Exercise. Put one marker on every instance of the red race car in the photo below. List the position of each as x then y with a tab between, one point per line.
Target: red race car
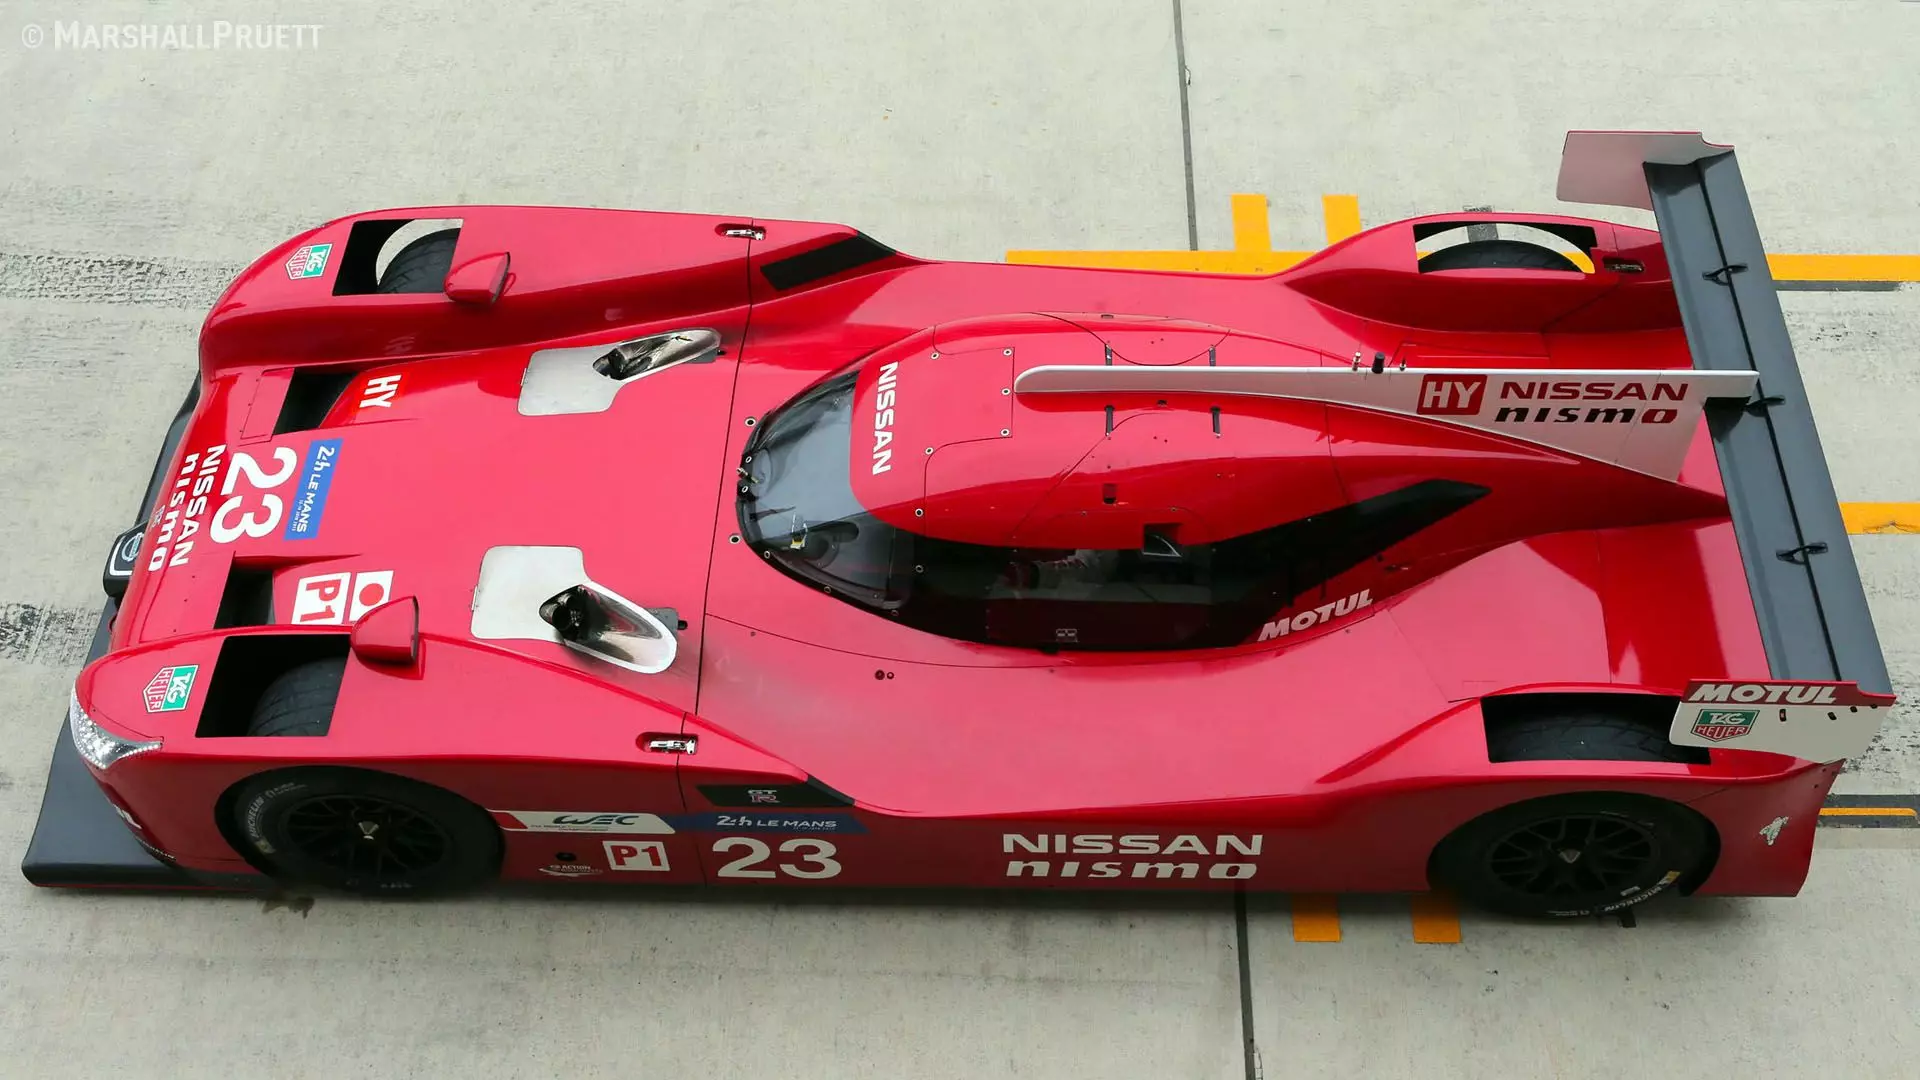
532	543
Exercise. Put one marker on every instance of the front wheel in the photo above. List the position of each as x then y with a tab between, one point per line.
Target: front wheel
365	832
1570	855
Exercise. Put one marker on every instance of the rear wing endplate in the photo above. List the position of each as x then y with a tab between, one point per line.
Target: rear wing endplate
1806	587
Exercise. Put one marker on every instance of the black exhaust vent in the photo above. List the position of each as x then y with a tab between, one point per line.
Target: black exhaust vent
247	600
310	397
824	262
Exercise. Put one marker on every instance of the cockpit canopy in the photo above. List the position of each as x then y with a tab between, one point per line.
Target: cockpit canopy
913	486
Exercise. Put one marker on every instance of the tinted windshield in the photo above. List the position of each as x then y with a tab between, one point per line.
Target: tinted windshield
797	508
797	505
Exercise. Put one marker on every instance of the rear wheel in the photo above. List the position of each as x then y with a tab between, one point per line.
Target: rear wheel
1484	254
1578	854
1570	855
300	701
421	266
365	832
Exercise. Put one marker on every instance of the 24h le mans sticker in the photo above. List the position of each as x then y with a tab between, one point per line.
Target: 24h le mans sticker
309	261
1720	725
170	688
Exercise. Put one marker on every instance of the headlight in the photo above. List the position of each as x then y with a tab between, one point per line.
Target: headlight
99	746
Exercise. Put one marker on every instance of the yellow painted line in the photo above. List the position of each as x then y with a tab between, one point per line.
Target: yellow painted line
1868	811
1844	267
1316	917
1342	215
1436	919
1864	517
1253	253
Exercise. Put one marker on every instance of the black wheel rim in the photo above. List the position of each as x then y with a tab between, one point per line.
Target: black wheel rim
364	836
1574	855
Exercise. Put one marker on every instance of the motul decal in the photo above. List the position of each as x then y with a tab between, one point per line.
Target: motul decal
886	392
1307	620
1784	693
1816	721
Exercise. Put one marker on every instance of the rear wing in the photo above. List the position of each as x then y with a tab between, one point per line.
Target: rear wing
1806	588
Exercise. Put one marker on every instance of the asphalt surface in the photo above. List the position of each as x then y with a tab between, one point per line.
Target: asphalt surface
135	182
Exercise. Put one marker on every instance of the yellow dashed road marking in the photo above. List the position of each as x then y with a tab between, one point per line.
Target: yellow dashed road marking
1436	919
1316	917
1342	214
1867	517
1253	252
1868	811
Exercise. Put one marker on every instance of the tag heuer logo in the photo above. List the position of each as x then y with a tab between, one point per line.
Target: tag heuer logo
1719	725
170	688
309	261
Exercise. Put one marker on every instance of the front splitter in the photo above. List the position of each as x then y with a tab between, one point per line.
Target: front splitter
80	840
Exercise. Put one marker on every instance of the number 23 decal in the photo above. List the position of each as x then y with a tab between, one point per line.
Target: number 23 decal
815	858
285	461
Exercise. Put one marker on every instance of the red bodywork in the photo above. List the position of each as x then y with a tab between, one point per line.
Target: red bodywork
1332	755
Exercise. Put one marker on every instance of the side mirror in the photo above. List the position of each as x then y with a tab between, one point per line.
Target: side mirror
588	618
478	281
389	634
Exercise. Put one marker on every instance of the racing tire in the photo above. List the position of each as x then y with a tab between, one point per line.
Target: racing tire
1590	736
364	832
1566	856
1503	254
421	266
300	701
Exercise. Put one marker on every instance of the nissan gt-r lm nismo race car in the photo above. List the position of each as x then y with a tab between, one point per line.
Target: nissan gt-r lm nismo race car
601	546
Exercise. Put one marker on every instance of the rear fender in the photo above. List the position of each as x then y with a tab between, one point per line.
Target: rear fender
573	271
1375	275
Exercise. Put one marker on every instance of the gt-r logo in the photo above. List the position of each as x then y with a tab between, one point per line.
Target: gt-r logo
636	854
885	392
1451	395
332	599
